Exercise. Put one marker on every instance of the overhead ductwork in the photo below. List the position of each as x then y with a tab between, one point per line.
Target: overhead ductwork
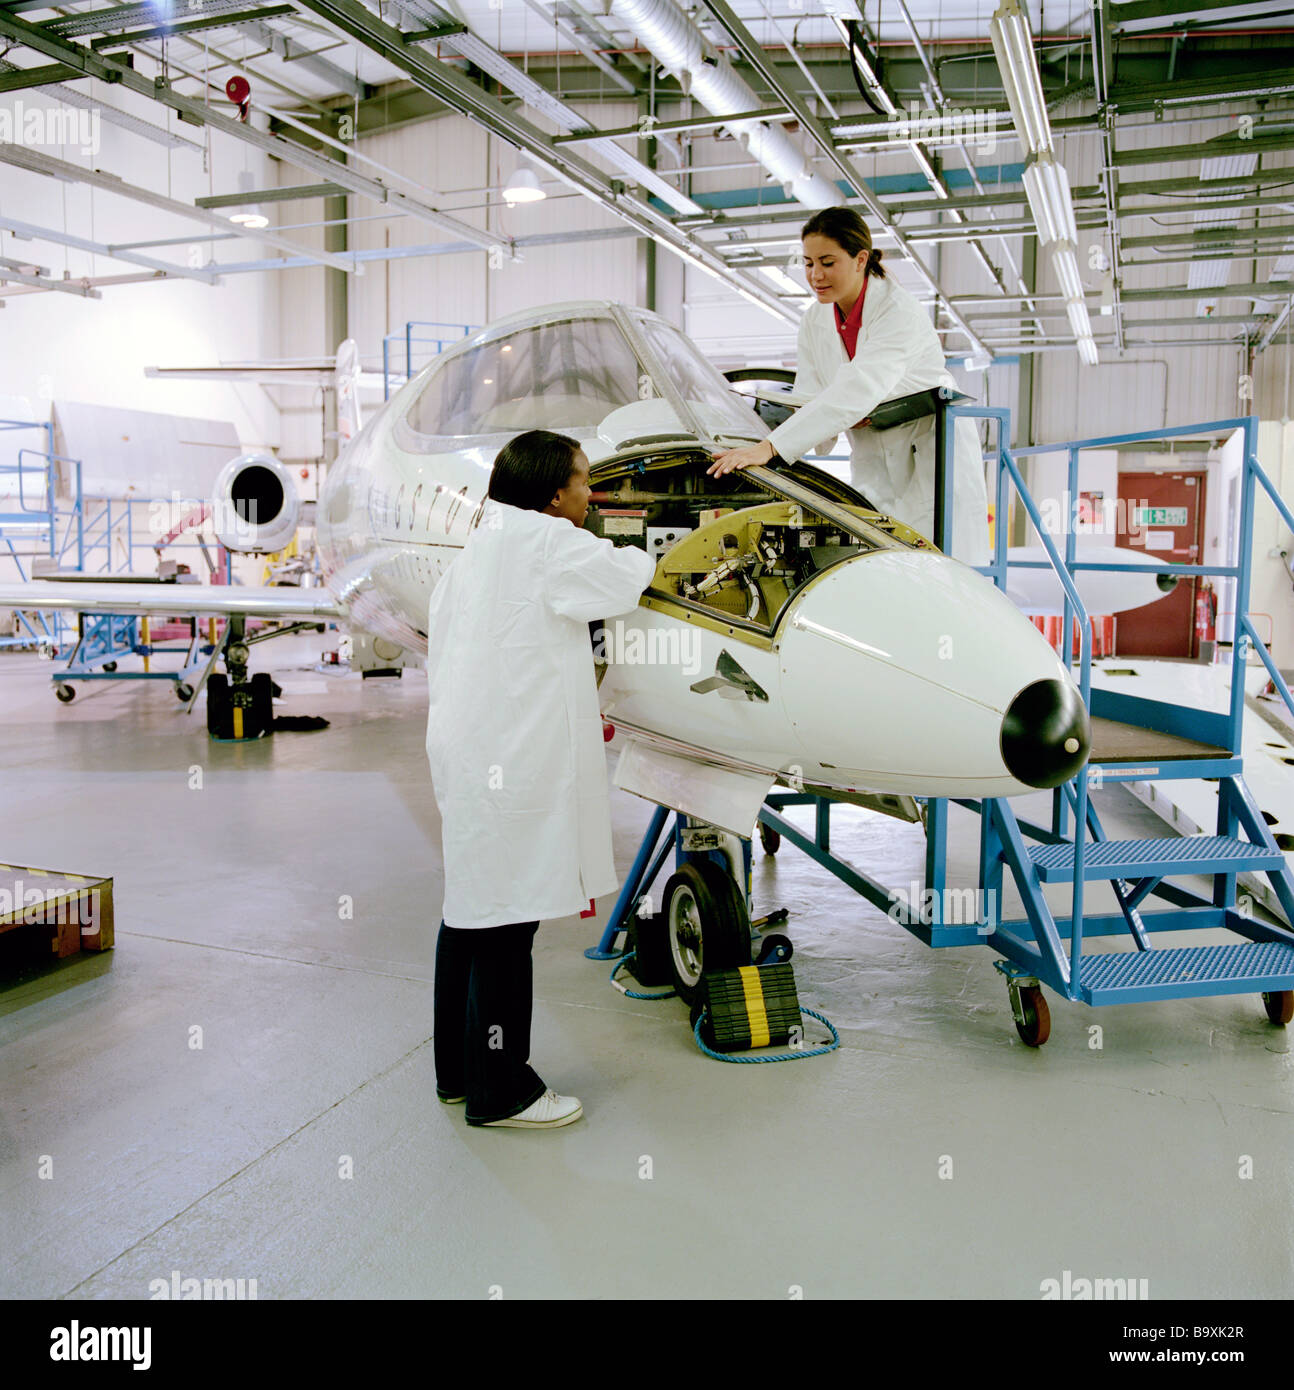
706	74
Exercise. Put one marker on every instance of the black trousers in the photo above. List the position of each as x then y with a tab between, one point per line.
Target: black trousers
484	994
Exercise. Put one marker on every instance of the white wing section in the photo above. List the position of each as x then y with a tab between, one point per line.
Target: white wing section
268	601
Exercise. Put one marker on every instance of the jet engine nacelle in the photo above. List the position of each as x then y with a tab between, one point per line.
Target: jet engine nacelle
256	505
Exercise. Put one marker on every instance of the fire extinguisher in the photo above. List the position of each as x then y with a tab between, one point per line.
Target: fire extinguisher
1206	613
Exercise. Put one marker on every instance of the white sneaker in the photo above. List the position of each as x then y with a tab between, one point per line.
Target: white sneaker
548	1112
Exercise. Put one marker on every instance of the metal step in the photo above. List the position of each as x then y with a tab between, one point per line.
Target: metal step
1123	977
1183	854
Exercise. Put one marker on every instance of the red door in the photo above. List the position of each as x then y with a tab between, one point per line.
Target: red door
1162	516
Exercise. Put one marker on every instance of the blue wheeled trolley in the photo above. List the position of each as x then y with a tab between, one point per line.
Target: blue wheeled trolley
103	638
1132	739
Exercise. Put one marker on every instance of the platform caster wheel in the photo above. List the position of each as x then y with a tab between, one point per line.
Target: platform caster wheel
1279	1004
706	925
774	949
65	693
770	839
1033	1019
183	693
110	666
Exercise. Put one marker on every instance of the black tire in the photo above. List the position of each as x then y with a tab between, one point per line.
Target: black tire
1036	1028
183	692
770	839
706	925
218	720
110	666
1279	1004
65	693
262	704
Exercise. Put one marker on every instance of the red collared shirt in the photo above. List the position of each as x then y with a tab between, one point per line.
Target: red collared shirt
848	327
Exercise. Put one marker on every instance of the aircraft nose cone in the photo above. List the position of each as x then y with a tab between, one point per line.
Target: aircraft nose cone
1045	734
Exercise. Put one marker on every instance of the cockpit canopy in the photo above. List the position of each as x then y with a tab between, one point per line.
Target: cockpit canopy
601	372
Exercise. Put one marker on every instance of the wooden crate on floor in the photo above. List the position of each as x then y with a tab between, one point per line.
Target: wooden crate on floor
75	909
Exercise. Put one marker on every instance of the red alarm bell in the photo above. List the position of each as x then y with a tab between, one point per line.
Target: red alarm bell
239	91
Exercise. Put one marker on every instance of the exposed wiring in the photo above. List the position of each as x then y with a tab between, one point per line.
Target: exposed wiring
855	30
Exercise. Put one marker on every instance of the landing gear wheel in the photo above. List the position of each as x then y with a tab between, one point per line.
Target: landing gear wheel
771	839
1035	1028
263	692
65	693
218	706
183	692
110	666
705	924
1279	1004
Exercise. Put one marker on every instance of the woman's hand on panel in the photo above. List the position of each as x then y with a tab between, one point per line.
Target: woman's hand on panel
745	457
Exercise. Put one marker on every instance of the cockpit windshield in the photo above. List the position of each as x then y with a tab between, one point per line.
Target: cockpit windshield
569	375
699	382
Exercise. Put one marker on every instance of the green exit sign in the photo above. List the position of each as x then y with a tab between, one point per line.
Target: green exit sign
1161	516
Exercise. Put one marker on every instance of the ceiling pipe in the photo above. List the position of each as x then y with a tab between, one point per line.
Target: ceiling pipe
707	75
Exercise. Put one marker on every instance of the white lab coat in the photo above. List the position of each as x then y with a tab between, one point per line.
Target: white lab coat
514	732
898	353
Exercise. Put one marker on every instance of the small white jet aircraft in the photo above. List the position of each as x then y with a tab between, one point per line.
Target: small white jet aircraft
791	633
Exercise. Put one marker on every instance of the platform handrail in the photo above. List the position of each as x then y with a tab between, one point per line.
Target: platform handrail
466	331
1251	472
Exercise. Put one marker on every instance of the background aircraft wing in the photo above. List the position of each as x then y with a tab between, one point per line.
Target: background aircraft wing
106	596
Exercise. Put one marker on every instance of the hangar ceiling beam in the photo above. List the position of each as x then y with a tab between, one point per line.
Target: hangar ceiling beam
199	113
821	137
37	162
39	282
1209	149
185	27
28	230
577	41
16	79
505	72
70	97
355	22
1203	91
290	51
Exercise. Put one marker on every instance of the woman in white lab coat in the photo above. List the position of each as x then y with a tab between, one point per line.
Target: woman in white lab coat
514	741
864	341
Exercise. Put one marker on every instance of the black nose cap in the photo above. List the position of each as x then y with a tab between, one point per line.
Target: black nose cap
1045	734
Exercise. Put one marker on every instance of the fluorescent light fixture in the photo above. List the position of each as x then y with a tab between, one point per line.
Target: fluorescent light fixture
1016	61
1046	185
1065	263
783	281
523	187
1078	319
251	220
1087	350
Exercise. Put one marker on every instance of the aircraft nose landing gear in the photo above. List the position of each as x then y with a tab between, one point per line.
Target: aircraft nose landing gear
237	708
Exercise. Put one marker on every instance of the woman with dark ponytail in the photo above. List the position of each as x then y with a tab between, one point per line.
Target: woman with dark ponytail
867	340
